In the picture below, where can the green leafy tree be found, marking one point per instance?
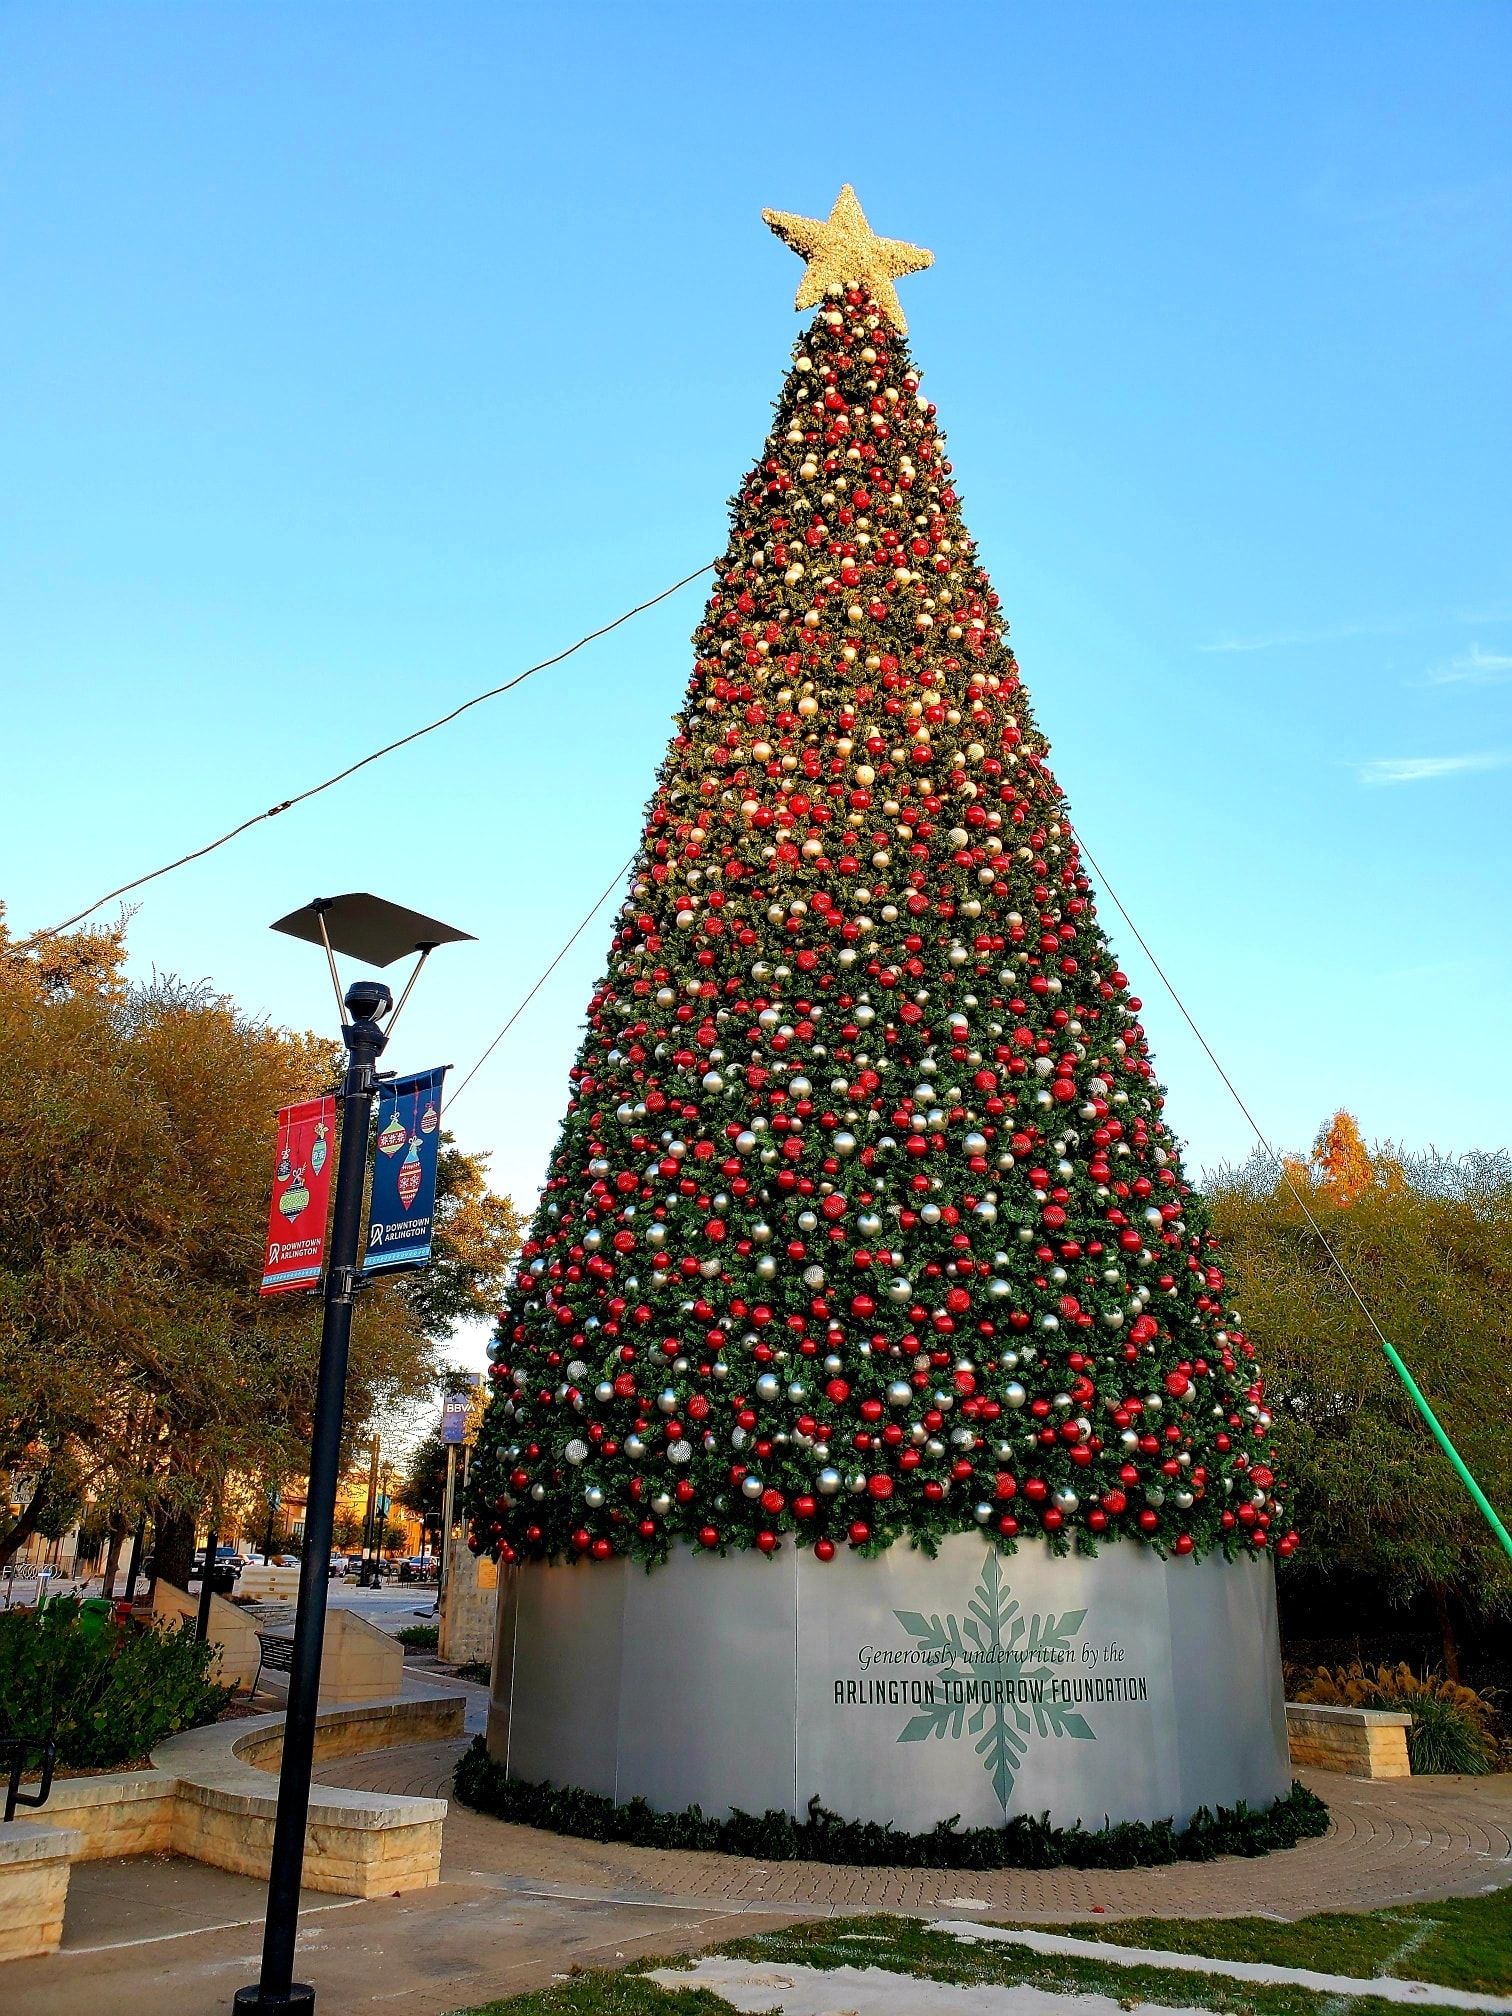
(1427, 1239)
(864, 1219)
(477, 1239)
(138, 1363)
(424, 1486)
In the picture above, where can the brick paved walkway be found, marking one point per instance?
(1390, 1842)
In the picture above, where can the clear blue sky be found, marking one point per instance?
(354, 357)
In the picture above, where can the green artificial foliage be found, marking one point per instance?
(107, 1695)
(864, 1221)
(1026, 1841)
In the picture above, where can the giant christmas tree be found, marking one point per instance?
(864, 1221)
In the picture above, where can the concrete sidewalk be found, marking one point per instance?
(159, 1936)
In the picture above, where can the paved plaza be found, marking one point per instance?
(516, 1908)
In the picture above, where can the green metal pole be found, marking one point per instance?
(1394, 1359)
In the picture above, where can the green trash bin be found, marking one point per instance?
(96, 1616)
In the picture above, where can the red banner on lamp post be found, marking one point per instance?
(295, 1248)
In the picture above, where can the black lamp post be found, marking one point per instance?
(367, 928)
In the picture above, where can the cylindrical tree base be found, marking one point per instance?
(898, 1689)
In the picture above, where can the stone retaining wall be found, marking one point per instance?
(114, 1813)
(33, 1887)
(232, 1632)
(352, 1731)
(212, 1794)
(1362, 1742)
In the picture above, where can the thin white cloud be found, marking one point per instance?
(1329, 634)
(1474, 667)
(1336, 633)
(1421, 769)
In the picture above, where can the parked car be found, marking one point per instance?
(225, 1557)
(223, 1572)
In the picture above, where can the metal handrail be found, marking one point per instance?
(13, 1754)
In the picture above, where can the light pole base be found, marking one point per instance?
(253, 2002)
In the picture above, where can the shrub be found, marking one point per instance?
(1453, 1727)
(106, 1692)
(420, 1637)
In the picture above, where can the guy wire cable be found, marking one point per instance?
(598, 903)
(340, 776)
(1392, 1356)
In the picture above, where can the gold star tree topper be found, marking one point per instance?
(843, 249)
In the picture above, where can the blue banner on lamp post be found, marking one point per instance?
(454, 1418)
(402, 1215)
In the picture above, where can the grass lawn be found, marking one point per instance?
(604, 1994)
(908, 1946)
(1462, 1940)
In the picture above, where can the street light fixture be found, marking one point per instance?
(368, 928)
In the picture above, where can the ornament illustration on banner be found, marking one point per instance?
(410, 1176)
(301, 1188)
(402, 1213)
(295, 1196)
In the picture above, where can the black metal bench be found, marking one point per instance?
(14, 1751)
(275, 1652)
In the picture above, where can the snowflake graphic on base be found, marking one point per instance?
(996, 1643)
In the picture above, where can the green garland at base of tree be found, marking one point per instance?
(1026, 1841)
